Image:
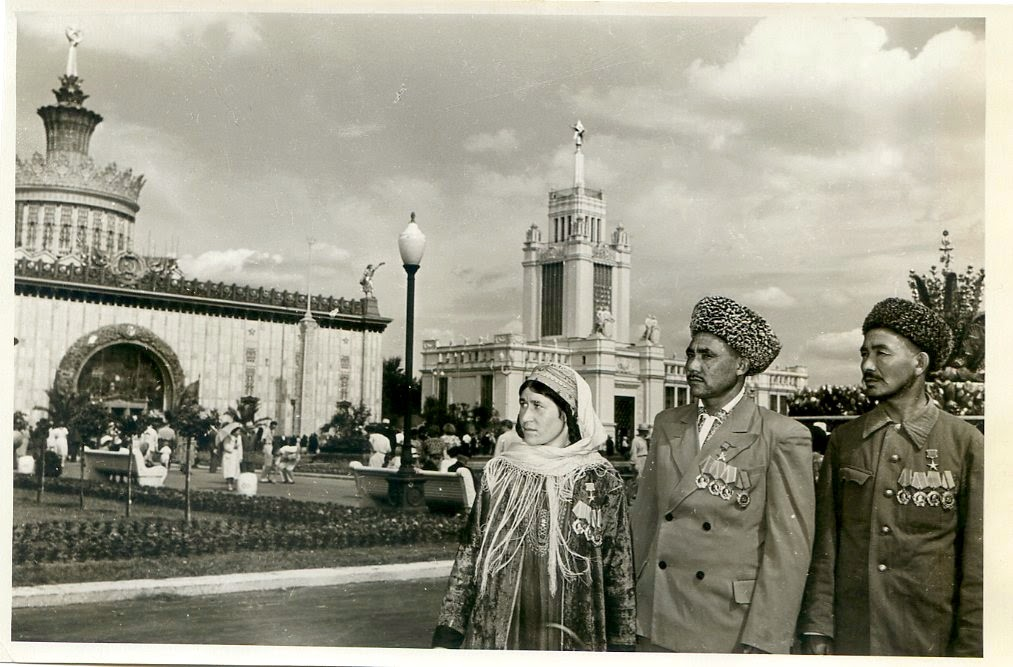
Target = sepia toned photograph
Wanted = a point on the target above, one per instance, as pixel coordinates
(632, 327)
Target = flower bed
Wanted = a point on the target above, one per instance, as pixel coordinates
(261, 523)
(131, 538)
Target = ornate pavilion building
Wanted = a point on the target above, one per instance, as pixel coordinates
(576, 311)
(94, 316)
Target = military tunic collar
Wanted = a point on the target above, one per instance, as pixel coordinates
(917, 427)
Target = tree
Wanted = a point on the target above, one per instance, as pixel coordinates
(83, 419)
(956, 298)
(348, 421)
(247, 409)
(397, 389)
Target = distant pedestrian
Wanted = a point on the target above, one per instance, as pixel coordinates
(267, 447)
(380, 446)
(507, 439)
(432, 449)
(232, 453)
(638, 451)
(288, 457)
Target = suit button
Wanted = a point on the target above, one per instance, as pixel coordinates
(888, 493)
(662, 564)
(894, 458)
(706, 525)
(881, 567)
(699, 575)
(669, 517)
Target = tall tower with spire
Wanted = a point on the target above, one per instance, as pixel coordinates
(67, 209)
(578, 274)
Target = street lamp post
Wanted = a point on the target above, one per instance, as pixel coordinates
(405, 488)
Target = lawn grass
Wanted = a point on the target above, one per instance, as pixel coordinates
(231, 563)
(66, 507)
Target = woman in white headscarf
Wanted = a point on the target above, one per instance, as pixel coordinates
(546, 560)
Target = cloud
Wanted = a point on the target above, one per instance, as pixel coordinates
(327, 252)
(143, 35)
(230, 264)
(837, 345)
(503, 142)
(834, 81)
(770, 297)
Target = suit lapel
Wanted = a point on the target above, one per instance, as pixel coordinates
(735, 435)
(682, 441)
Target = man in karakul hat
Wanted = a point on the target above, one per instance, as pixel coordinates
(897, 565)
(723, 519)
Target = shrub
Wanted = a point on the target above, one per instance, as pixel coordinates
(260, 523)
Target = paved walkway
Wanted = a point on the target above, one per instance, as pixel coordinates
(109, 591)
(386, 614)
(315, 488)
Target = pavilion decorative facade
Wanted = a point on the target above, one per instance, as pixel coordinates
(94, 316)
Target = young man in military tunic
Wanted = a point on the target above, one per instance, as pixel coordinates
(723, 519)
(897, 565)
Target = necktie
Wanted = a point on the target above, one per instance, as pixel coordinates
(701, 420)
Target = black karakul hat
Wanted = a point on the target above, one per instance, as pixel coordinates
(922, 326)
(743, 330)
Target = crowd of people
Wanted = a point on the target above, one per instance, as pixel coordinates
(730, 545)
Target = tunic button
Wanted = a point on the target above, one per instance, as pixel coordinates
(881, 567)
(699, 575)
(662, 564)
(894, 458)
(885, 530)
(669, 517)
(888, 493)
(706, 525)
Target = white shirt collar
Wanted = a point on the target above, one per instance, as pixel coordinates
(730, 405)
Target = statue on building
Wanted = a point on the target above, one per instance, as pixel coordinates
(578, 134)
(74, 37)
(603, 322)
(652, 332)
(367, 279)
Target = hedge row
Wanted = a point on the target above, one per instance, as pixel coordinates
(130, 538)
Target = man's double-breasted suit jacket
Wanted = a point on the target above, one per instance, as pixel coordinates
(712, 573)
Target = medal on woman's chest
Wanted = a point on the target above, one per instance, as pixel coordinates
(588, 520)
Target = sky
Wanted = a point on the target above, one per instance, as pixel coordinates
(800, 164)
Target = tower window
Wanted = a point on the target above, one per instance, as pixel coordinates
(552, 299)
(603, 286)
(33, 225)
(19, 210)
(48, 220)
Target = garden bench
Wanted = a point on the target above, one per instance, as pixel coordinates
(443, 490)
(105, 466)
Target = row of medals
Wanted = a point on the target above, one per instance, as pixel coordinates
(723, 480)
(930, 488)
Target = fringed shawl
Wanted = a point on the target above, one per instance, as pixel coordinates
(525, 478)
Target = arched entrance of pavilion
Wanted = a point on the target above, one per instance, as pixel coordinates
(126, 367)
